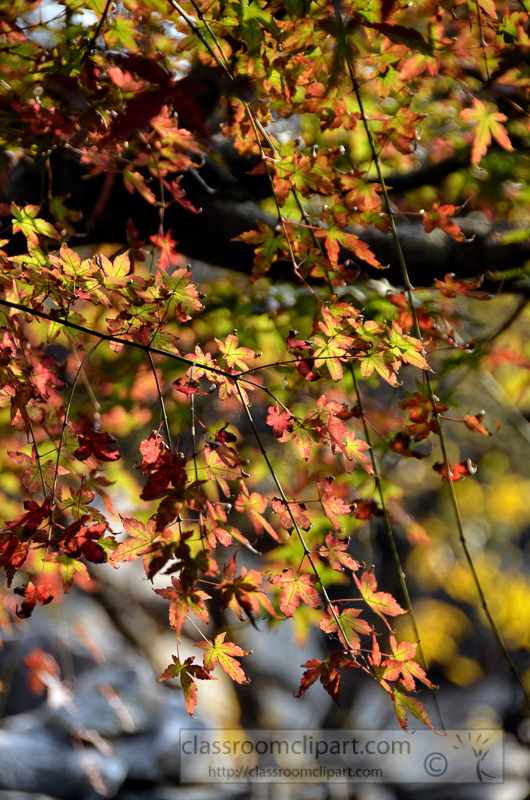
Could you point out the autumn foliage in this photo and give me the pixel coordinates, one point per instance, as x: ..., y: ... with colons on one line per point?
x: 250, y: 453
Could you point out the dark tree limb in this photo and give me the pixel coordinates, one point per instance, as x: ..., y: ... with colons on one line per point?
x: 229, y: 208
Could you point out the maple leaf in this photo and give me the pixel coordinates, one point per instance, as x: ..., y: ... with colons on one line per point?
x: 404, y: 653
x: 100, y: 444
x: 32, y: 595
x: 26, y: 221
x: 354, y: 450
x: 450, y: 287
x: 458, y: 471
x: 291, y: 514
x: 242, y: 592
x: 222, y: 653
x: 152, y: 448
x: 327, y: 672
x: 34, y: 470
x: 331, y: 505
x: 403, y: 703
x: 217, y: 470
x: 335, y: 552
x: 70, y: 568
x: 234, y: 355
x: 214, y: 518
x: 438, y: 217
x: 183, y: 600
x: 331, y: 354
x: 35, y: 514
x: 474, y: 423
x: 296, y: 588
x: 348, y: 627
x: 186, y: 672
x: 140, y: 542
x: 84, y: 539
x: 407, y: 348
x: 268, y: 246
x: 488, y: 123
x: 168, y: 255
x: 165, y: 470
x: 253, y: 505
x: 380, y: 361
x: 280, y: 421
x: 43, y: 377
x: 334, y: 237
x: 227, y: 454
x: 381, y: 603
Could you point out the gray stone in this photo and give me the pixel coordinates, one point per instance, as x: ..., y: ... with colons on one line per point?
x: 112, y: 700
x: 42, y: 764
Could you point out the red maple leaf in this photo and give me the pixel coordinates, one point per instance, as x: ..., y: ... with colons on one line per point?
x: 183, y: 600
x: 331, y: 504
x: 327, y: 672
x: 35, y: 514
x: 81, y: 539
x: 253, y: 505
x: 222, y: 653
x: 382, y: 603
x: 242, y: 592
x: 165, y: 468
x: 99, y: 444
x: 44, y: 378
x: 186, y: 672
x: 280, y: 421
x: 458, y: 471
x: 32, y: 595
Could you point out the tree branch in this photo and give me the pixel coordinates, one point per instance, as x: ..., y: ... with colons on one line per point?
x: 229, y: 208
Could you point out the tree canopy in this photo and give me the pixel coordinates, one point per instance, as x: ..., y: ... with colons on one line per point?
x: 267, y: 442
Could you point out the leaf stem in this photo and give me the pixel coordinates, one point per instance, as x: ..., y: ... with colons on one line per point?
x: 429, y: 386
x: 296, y: 527
x: 391, y: 538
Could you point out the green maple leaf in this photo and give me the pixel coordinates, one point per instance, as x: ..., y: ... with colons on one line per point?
x: 332, y: 353
x: 403, y: 703
x: 234, y: 355
x: 25, y: 221
x: 222, y: 653
x: 68, y: 569
x: 379, y: 361
x: 488, y: 123
x: 407, y: 348
x: 268, y: 246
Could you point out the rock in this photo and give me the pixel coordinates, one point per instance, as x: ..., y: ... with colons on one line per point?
x: 37, y: 761
x: 24, y: 796
x: 112, y: 700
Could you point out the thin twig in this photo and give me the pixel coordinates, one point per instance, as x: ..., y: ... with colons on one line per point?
x: 430, y: 391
